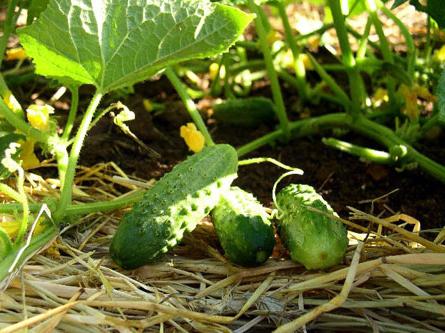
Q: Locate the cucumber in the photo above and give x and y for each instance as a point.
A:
(243, 228)
(246, 112)
(175, 204)
(314, 240)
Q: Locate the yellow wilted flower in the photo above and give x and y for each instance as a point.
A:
(17, 53)
(380, 96)
(12, 227)
(28, 157)
(409, 94)
(38, 116)
(192, 137)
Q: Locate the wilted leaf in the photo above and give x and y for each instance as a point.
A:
(112, 44)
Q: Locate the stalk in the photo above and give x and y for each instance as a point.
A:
(8, 27)
(189, 105)
(361, 125)
(355, 80)
(361, 52)
(336, 89)
(66, 195)
(273, 77)
(72, 113)
(411, 48)
(384, 46)
(300, 71)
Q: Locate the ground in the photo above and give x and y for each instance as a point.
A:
(342, 179)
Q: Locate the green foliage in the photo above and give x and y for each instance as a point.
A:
(243, 228)
(175, 204)
(112, 44)
(5, 244)
(314, 240)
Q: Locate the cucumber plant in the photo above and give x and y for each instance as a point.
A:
(108, 45)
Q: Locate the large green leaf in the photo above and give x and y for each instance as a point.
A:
(115, 43)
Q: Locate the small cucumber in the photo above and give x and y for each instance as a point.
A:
(246, 112)
(243, 228)
(314, 240)
(175, 204)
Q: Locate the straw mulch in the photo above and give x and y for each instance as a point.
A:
(392, 280)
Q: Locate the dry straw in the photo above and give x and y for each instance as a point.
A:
(392, 280)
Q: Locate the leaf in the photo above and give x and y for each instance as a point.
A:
(398, 3)
(115, 43)
(5, 244)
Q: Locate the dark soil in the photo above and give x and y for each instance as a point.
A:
(343, 180)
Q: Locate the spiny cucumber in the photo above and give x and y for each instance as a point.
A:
(243, 228)
(313, 239)
(174, 205)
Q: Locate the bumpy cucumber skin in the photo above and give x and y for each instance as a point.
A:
(175, 204)
(243, 228)
(245, 112)
(312, 239)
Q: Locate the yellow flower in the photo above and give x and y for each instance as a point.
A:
(29, 159)
(213, 70)
(12, 227)
(439, 55)
(38, 116)
(17, 53)
(192, 137)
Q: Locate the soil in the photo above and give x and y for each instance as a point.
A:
(343, 180)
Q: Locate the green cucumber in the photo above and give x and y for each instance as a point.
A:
(175, 204)
(243, 228)
(313, 239)
(246, 112)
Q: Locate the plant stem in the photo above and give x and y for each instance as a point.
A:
(18, 122)
(336, 89)
(363, 45)
(72, 114)
(362, 125)
(355, 80)
(273, 77)
(410, 47)
(368, 154)
(66, 194)
(300, 71)
(8, 27)
(80, 209)
(189, 105)
(104, 206)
